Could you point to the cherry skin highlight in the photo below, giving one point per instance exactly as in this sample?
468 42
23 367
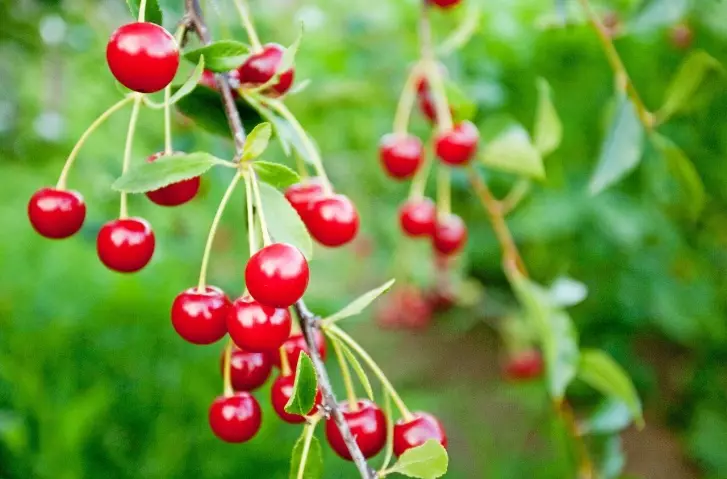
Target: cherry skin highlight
450 235
459 145
415 432
200 316
277 275
248 370
332 220
125 245
55 213
280 394
418 217
235 418
255 327
175 194
143 56
401 155
368 427
300 195
260 67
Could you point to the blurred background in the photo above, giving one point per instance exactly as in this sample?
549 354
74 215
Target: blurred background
95 383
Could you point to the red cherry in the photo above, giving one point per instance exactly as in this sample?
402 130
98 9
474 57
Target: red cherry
125 245
681 36
332 220
248 370
524 365
445 3
458 146
259 68
235 418
450 235
56 213
418 430
175 194
208 80
302 194
368 427
401 155
294 345
277 275
423 83
280 395
256 327
200 317
143 57
418 216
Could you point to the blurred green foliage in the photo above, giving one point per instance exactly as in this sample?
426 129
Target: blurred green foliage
93 381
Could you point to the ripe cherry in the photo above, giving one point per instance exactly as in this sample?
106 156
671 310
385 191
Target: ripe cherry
445 3
280 395
416 431
300 195
248 370
405 308
418 216
125 245
457 146
256 327
401 155
332 220
681 36
260 67
200 316
294 345
450 234
143 57
235 418
56 213
368 427
277 275
175 194
524 365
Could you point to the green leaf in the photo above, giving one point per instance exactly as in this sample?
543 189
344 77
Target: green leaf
428 461
288 60
621 150
659 13
188 86
204 106
601 372
686 82
548 131
283 221
360 372
257 141
464 32
556 332
275 174
312 464
152 12
359 304
513 152
611 416
461 103
683 170
305 387
150 176
221 56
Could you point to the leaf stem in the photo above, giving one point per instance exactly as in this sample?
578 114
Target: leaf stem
124 208
259 202
309 430
419 183
389 433
63 178
346 375
432 73
244 12
406 101
250 206
444 192
226 371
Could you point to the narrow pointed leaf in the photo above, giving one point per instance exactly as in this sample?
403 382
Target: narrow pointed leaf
283 221
611 416
257 141
686 82
152 14
276 175
360 303
428 461
288 60
165 171
220 56
513 152
686 175
548 131
191 83
305 387
360 372
312 463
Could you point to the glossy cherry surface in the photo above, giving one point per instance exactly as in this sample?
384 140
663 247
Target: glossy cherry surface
300 195
200 316
401 155
235 418
55 213
277 275
143 56
459 145
248 370
368 427
418 216
260 67
125 245
450 235
332 220
175 194
524 365
418 430
256 327
280 394
295 344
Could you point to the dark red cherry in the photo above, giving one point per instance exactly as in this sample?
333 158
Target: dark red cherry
418 216
416 431
294 345
260 67
175 194
143 57
332 220
235 418
445 3
450 235
56 213
200 316
125 245
277 275
459 145
524 365
401 155
280 395
248 370
368 427
302 194
255 327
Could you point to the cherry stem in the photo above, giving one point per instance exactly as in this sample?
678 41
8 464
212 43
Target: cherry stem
419 183
244 12
284 363
63 178
259 202
300 165
250 205
444 192
406 102
389 434
124 208
432 73
213 231
346 375
308 431
350 342
515 196
167 120
226 371
142 10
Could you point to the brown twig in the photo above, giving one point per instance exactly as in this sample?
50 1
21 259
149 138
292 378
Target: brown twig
309 323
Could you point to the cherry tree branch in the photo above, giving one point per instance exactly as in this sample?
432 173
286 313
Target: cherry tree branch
309 322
